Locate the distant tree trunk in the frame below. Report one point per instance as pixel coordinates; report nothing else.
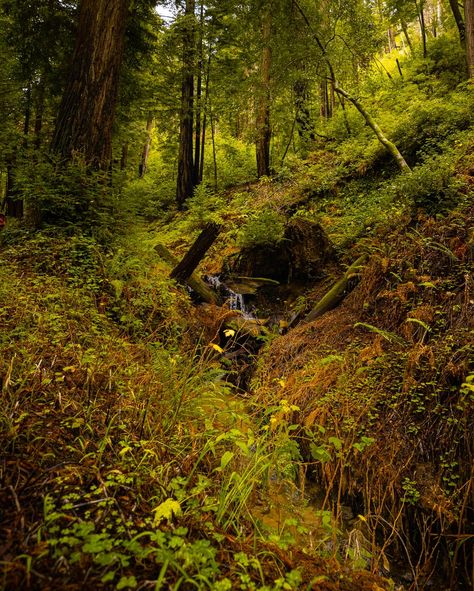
(185, 180)
(204, 118)
(405, 33)
(392, 42)
(421, 18)
(13, 204)
(39, 113)
(214, 154)
(197, 134)
(87, 111)
(459, 21)
(124, 156)
(303, 116)
(264, 132)
(469, 20)
(146, 148)
(326, 98)
(27, 119)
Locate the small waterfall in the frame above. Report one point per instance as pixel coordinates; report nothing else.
(236, 300)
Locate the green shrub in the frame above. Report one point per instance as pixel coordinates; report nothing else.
(205, 206)
(71, 195)
(432, 185)
(264, 228)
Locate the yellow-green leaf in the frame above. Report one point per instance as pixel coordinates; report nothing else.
(166, 510)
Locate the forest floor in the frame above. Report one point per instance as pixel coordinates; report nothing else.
(131, 460)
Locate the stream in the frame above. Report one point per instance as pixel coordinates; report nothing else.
(285, 511)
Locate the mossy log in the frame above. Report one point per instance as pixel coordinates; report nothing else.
(336, 293)
(194, 281)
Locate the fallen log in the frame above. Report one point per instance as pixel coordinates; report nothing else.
(185, 268)
(336, 293)
(194, 281)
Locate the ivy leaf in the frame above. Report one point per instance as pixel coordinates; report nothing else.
(127, 583)
(166, 510)
(336, 442)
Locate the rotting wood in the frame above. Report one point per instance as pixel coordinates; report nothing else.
(194, 281)
(336, 293)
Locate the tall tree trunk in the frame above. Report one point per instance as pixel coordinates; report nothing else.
(459, 21)
(405, 33)
(39, 113)
(204, 118)
(264, 132)
(303, 116)
(421, 17)
(146, 148)
(13, 204)
(27, 119)
(87, 111)
(124, 156)
(469, 20)
(197, 134)
(185, 180)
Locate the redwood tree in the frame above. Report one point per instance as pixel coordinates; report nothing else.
(469, 20)
(86, 114)
(185, 179)
(264, 131)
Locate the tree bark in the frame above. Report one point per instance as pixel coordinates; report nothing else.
(459, 21)
(469, 20)
(421, 18)
(405, 32)
(185, 180)
(303, 116)
(194, 282)
(39, 113)
(124, 156)
(87, 111)
(146, 148)
(204, 118)
(185, 268)
(264, 132)
(197, 134)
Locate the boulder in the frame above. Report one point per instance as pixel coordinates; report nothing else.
(301, 256)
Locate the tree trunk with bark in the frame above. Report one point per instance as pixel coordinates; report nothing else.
(183, 271)
(185, 180)
(146, 148)
(264, 132)
(87, 111)
(303, 116)
(193, 281)
(459, 21)
(469, 20)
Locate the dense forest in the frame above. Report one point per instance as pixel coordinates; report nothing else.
(237, 295)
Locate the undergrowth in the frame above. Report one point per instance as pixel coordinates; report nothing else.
(127, 462)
